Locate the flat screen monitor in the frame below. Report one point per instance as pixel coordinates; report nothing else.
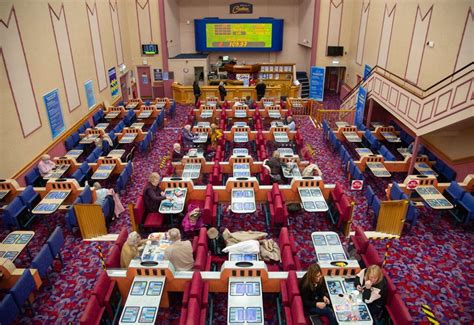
(335, 51)
(150, 49)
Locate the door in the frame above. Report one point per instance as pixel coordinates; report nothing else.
(199, 74)
(124, 88)
(144, 82)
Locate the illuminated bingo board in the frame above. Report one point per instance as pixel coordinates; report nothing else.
(239, 35)
(218, 35)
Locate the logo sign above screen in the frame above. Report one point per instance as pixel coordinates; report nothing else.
(412, 184)
(241, 8)
(357, 185)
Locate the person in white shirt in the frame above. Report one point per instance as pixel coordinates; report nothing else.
(46, 165)
(180, 252)
(291, 124)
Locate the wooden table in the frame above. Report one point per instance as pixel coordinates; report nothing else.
(286, 151)
(433, 198)
(352, 136)
(112, 115)
(207, 113)
(245, 301)
(291, 170)
(144, 114)
(132, 105)
(364, 152)
(240, 113)
(240, 152)
(281, 137)
(57, 172)
(160, 105)
(243, 200)
(341, 124)
(328, 247)
(425, 169)
(103, 171)
(404, 152)
(128, 138)
(12, 245)
(174, 202)
(192, 171)
(102, 126)
(203, 124)
(116, 153)
(51, 202)
(241, 170)
(312, 199)
(378, 169)
(243, 257)
(348, 307)
(74, 154)
(241, 137)
(276, 124)
(88, 139)
(390, 137)
(275, 114)
(3, 193)
(201, 137)
(155, 250)
(143, 301)
(195, 152)
(376, 125)
(239, 124)
(137, 125)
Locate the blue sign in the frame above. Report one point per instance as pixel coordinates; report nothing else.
(316, 83)
(360, 106)
(114, 86)
(55, 115)
(367, 70)
(89, 93)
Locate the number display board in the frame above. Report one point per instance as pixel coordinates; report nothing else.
(264, 34)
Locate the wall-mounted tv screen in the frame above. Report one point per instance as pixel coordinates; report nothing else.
(263, 34)
(149, 49)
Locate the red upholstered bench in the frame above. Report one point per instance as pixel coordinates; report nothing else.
(371, 256)
(151, 220)
(359, 240)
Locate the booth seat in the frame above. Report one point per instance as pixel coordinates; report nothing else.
(150, 220)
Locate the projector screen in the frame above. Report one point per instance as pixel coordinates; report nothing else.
(264, 34)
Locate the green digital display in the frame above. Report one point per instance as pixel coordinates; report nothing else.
(239, 35)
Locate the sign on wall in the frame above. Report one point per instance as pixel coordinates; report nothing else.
(360, 106)
(316, 83)
(244, 77)
(55, 115)
(89, 87)
(241, 8)
(367, 69)
(114, 85)
(158, 74)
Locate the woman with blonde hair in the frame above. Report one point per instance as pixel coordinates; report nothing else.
(314, 294)
(216, 135)
(373, 285)
(131, 249)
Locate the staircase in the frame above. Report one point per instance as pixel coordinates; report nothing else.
(302, 77)
(449, 101)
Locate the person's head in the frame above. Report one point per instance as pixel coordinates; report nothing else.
(154, 179)
(314, 275)
(248, 97)
(213, 126)
(187, 127)
(276, 154)
(133, 239)
(195, 83)
(177, 147)
(374, 274)
(45, 157)
(97, 185)
(174, 234)
(290, 118)
(221, 83)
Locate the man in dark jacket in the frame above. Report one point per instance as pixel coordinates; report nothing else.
(260, 88)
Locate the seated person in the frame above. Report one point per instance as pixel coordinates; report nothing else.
(46, 165)
(291, 123)
(373, 286)
(152, 194)
(249, 102)
(216, 135)
(314, 294)
(176, 155)
(179, 253)
(131, 249)
(102, 194)
(188, 136)
(274, 165)
(311, 170)
(192, 221)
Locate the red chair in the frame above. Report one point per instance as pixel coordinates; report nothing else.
(93, 313)
(297, 312)
(278, 212)
(200, 240)
(391, 288)
(107, 294)
(371, 256)
(151, 220)
(289, 289)
(359, 240)
(344, 208)
(122, 237)
(287, 259)
(202, 262)
(337, 193)
(113, 260)
(286, 239)
(398, 311)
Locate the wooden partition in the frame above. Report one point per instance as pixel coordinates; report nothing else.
(11, 274)
(91, 220)
(12, 186)
(391, 218)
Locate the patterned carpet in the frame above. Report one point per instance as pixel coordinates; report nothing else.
(430, 265)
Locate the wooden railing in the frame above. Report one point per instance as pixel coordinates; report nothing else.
(332, 116)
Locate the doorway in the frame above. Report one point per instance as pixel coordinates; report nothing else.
(199, 74)
(124, 87)
(144, 82)
(334, 79)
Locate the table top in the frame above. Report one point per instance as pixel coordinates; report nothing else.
(201, 137)
(404, 152)
(341, 124)
(3, 193)
(425, 169)
(291, 170)
(352, 136)
(328, 247)
(51, 202)
(102, 126)
(274, 113)
(433, 198)
(112, 115)
(144, 114)
(116, 153)
(376, 124)
(364, 152)
(160, 104)
(312, 199)
(390, 136)
(240, 113)
(75, 153)
(378, 169)
(207, 113)
(88, 139)
(155, 250)
(240, 152)
(277, 124)
(285, 151)
(128, 137)
(241, 137)
(143, 301)
(245, 301)
(347, 304)
(131, 105)
(176, 204)
(281, 137)
(195, 152)
(243, 200)
(57, 172)
(137, 125)
(239, 124)
(192, 171)
(241, 170)
(14, 243)
(103, 171)
(243, 257)
(203, 124)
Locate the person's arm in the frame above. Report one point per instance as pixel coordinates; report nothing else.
(307, 297)
(150, 193)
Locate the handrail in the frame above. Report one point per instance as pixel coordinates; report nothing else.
(421, 92)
